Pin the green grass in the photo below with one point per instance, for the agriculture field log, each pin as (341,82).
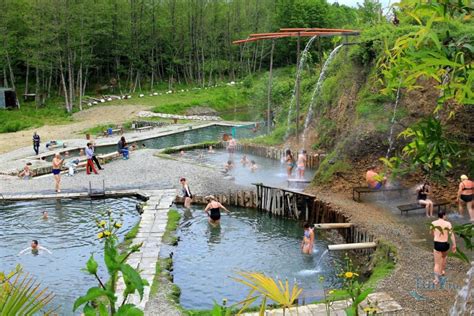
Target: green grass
(129,236)
(171,226)
(383,263)
(332,164)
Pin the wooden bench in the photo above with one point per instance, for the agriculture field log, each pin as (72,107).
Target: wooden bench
(416,206)
(107,157)
(144,128)
(360,190)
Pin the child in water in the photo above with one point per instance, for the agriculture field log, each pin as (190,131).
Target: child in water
(253,166)
(308,240)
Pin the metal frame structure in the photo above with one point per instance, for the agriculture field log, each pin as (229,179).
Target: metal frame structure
(298,33)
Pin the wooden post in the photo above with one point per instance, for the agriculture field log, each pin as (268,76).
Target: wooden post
(297,99)
(270,79)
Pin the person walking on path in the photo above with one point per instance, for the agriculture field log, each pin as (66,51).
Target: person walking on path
(213,210)
(57,165)
(94,158)
(89,154)
(422,197)
(465,196)
(186,193)
(36,142)
(442,232)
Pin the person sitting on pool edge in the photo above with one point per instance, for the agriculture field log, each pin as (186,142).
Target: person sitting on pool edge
(34,248)
(374,180)
(308,240)
(422,197)
(214,207)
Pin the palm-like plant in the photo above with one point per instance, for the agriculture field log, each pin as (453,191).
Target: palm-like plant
(20,294)
(266,288)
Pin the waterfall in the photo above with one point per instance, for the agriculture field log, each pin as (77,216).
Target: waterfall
(317,89)
(321,258)
(303,57)
(464,303)
(392,122)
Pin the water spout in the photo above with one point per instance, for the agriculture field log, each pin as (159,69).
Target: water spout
(317,89)
(392,122)
(321,258)
(303,57)
(464,303)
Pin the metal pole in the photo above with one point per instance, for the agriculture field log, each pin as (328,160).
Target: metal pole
(297,87)
(270,79)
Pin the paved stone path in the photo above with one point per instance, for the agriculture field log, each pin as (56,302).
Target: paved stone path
(152,227)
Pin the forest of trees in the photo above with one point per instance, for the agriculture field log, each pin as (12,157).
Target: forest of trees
(67,47)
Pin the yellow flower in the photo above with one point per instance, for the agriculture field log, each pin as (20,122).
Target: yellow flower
(117,225)
(100,235)
(331,292)
(102,223)
(369,309)
(349,275)
(107,233)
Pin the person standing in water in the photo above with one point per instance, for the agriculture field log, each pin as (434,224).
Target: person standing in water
(308,240)
(301,164)
(442,231)
(232,143)
(34,248)
(186,193)
(57,165)
(213,210)
(465,196)
(290,162)
(36,142)
(422,197)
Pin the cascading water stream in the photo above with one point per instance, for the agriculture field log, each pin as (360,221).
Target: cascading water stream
(392,122)
(464,303)
(317,89)
(321,258)
(303,57)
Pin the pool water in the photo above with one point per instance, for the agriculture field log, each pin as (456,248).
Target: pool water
(69,233)
(269,171)
(247,240)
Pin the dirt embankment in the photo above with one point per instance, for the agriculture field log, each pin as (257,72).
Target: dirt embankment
(83,120)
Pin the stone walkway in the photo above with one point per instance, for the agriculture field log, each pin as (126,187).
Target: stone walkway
(152,227)
(384,304)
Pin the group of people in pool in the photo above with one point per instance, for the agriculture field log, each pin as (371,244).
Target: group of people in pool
(299,163)
(464,197)
(35,247)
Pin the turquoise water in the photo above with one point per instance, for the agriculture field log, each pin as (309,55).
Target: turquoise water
(247,240)
(69,233)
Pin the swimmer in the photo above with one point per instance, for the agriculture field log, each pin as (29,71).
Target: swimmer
(210,150)
(34,248)
(290,162)
(181,153)
(57,165)
(45,215)
(229,165)
(374,180)
(26,173)
(244,161)
(186,193)
(422,197)
(442,231)
(465,196)
(214,207)
(253,166)
(301,164)
(308,240)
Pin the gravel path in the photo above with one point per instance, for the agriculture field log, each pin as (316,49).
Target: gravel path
(141,171)
(411,282)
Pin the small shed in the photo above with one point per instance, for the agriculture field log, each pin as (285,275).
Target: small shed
(8,99)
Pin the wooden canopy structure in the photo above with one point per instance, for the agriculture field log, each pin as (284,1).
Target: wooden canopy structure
(298,33)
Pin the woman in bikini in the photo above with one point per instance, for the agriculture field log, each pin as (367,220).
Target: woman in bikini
(308,240)
(213,210)
(290,162)
(301,164)
(465,196)
(442,231)
(422,197)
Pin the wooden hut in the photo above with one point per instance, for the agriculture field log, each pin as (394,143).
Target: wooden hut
(8,99)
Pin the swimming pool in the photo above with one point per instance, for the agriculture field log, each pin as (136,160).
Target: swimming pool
(269,171)
(69,233)
(247,240)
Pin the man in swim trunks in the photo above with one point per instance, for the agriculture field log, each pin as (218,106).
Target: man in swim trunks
(301,164)
(465,196)
(373,179)
(214,207)
(57,165)
(442,231)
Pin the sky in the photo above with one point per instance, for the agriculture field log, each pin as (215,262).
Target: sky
(353,3)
